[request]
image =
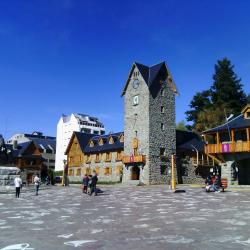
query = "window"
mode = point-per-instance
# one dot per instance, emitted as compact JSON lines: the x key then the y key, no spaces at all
{"x":118,"y":170}
{"x":88,"y":158}
{"x":108,"y":156}
{"x":96,"y":132}
{"x":135,"y":100}
{"x":78,"y":172}
{"x":119,"y":156}
{"x":162,"y":127}
{"x":102,"y":132}
{"x":98,"y":157}
{"x":111,"y":140}
{"x":107,"y":171}
{"x":101,"y":142}
{"x":71,"y":172}
{"x":162,"y":151}
{"x":162,"y":109}
{"x":122,"y":138}
{"x":97,"y":170}
{"x":163,"y":170}
{"x":248,"y":115}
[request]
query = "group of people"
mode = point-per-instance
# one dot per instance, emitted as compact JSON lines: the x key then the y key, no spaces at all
{"x":18,"y":184}
{"x":213,"y":183}
{"x":89,"y":184}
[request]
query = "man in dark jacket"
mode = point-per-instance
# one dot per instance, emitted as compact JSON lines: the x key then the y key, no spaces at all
{"x":93,"y":184}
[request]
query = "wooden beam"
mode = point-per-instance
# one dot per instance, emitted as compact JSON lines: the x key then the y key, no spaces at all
{"x":217,"y":141}
{"x":248,"y":138}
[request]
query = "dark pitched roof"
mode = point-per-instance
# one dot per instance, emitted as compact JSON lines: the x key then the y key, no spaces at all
{"x":149,"y":74}
{"x":236,"y":123}
{"x":188,"y":141}
{"x":45,"y":143}
{"x":83,"y":139}
{"x":117,"y":145}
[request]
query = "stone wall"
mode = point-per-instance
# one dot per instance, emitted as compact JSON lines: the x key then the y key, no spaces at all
{"x":136,"y":124}
{"x":7,"y":175}
{"x":159,"y":138}
{"x":188,"y":173}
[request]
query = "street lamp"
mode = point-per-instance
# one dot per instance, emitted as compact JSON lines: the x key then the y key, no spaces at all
{"x":64,"y":176}
{"x":197,"y":153}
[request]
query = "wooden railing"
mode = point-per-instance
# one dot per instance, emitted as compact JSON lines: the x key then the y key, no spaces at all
{"x":231,"y":147}
{"x":134,"y":159}
{"x":202,"y":162}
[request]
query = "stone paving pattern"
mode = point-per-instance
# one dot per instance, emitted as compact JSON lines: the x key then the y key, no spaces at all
{"x":148,"y":217}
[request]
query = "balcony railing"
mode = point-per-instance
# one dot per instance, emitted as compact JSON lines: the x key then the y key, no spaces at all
{"x":230,"y":147}
{"x":202,"y":162}
{"x":134,"y":159}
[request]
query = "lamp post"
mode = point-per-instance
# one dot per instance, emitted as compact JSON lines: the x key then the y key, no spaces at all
{"x":64,"y":177}
{"x":197,"y":153}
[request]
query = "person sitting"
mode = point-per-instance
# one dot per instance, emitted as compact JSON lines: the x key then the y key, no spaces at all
{"x":208,"y":183}
{"x":217,"y":184}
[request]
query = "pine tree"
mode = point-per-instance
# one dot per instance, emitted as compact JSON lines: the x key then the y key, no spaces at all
{"x":227,"y":89}
{"x":225,"y":95}
{"x":201,"y":100}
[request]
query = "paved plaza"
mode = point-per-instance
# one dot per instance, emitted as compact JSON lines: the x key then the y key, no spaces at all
{"x":125,"y":218}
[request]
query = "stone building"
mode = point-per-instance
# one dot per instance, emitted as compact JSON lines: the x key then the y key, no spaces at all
{"x":149,"y":123}
{"x":142,"y":153}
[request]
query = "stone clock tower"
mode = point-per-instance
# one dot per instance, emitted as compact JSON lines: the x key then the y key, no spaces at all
{"x":149,"y":128}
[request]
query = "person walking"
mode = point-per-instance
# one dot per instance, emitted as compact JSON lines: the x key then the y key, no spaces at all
{"x":37,"y":183}
{"x":85,"y":182}
{"x":18,"y":185}
{"x":93,"y":184}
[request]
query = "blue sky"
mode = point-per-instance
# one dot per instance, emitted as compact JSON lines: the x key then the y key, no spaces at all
{"x":64,"y":56}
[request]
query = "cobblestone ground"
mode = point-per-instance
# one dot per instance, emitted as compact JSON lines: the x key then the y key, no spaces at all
{"x":125,"y":218}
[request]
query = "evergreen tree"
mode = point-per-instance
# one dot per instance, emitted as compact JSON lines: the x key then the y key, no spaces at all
{"x":227,"y":89}
{"x":248,"y":99}
{"x":201,"y":100}
{"x":181,"y":126}
{"x":225,"y":95}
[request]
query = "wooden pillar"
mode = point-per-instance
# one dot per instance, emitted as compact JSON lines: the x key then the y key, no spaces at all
{"x":248,"y":138}
{"x":233,"y":141}
{"x":217,"y":141}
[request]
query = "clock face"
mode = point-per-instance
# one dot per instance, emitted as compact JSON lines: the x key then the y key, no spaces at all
{"x":136,"y":83}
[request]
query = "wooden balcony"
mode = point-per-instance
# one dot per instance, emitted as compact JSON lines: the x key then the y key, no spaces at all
{"x":230,"y":147}
{"x":134,"y":159}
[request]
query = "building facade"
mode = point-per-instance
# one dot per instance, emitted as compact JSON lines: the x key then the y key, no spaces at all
{"x":65,"y":128}
{"x":142,"y":153}
{"x":229,"y":145}
{"x":149,"y":123}
{"x":46,"y":145}
{"x":103,"y":153}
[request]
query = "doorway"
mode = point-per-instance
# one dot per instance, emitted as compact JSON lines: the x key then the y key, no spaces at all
{"x":244,"y":172}
{"x":135,"y":173}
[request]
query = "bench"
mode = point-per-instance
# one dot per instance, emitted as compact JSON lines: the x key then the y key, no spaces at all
{"x":223,"y":184}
